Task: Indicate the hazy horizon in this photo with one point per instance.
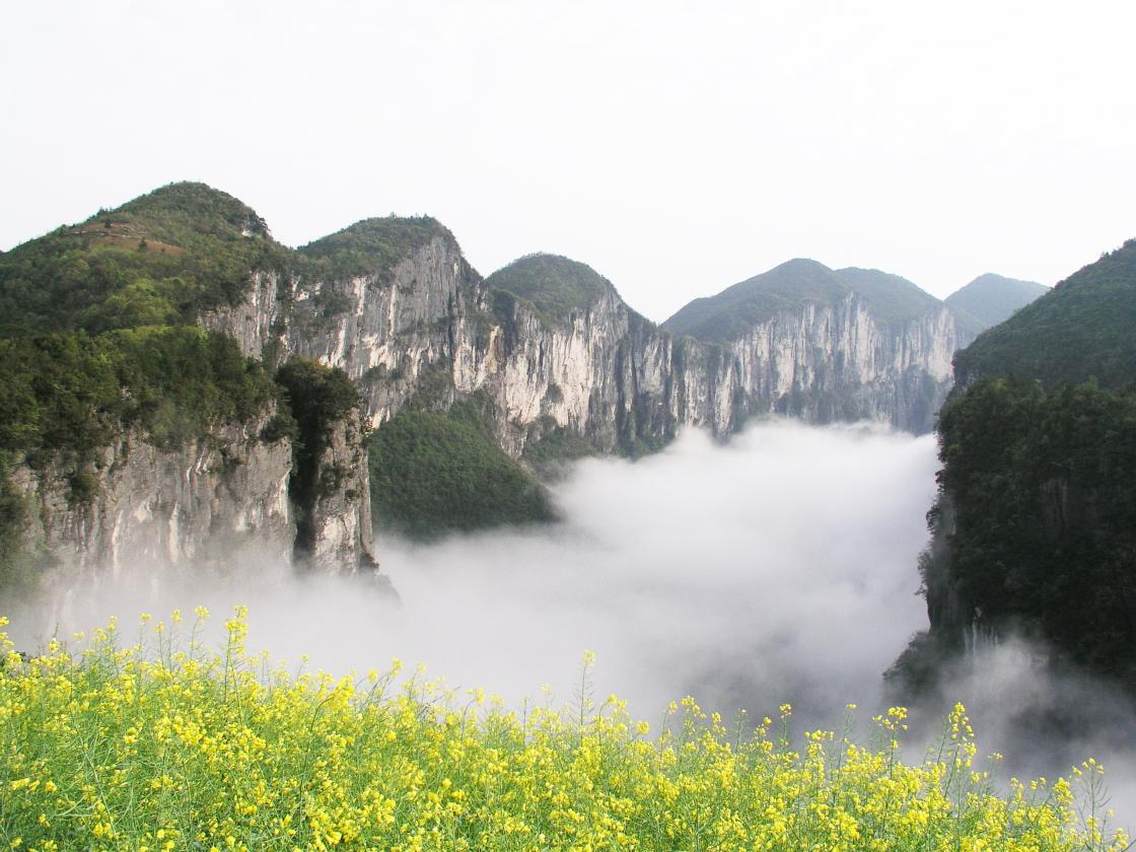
(675, 149)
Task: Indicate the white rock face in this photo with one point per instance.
(342, 531)
(205, 503)
(429, 330)
(430, 327)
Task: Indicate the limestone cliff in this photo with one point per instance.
(428, 329)
(205, 503)
(338, 536)
(546, 346)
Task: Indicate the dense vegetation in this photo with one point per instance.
(371, 246)
(159, 746)
(991, 299)
(162, 258)
(434, 472)
(69, 394)
(1040, 535)
(1081, 329)
(168, 256)
(737, 309)
(556, 446)
(99, 333)
(554, 285)
(1034, 531)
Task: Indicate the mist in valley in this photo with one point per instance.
(778, 568)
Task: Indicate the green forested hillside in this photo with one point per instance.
(737, 309)
(63, 396)
(370, 246)
(554, 285)
(167, 256)
(99, 332)
(1034, 531)
(435, 472)
(98, 324)
(891, 298)
(1081, 329)
(1044, 517)
(160, 259)
(71, 392)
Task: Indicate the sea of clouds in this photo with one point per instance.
(776, 568)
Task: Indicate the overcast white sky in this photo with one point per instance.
(675, 147)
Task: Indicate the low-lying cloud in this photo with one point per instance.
(777, 568)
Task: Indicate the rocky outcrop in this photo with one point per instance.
(550, 350)
(337, 533)
(222, 499)
(390, 331)
(430, 330)
(839, 362)
(138, 506)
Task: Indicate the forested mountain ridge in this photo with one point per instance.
(130, 433)
(1081, 329)
(162, 258)
(168, 321)
(552, 284)
(1034, 530)
(736, 310)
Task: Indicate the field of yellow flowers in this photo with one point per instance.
(163, 745)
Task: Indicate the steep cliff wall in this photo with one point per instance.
(841, 362)
(555, 361)
(429, 329)
(205, 503)
(339, 536)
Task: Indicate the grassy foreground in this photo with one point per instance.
(163, 745)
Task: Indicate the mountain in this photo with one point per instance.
(1080, 329)
(890, 298)
(233, 371)
(831, 344)
(793, 285)
(554, 285)
(738, 309)
(1034, 529)
(161, 258)
(131, 434)
(991, 299)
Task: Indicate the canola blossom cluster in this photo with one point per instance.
(164, 745)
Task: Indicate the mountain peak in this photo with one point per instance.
(734, 311)
(375, 244)
(801, 264)
(555, 284)
(891, 297)
(1080, 329)
(991, 299)
(189, 205)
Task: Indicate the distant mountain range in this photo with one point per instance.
(153, 336)
(894, 300)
